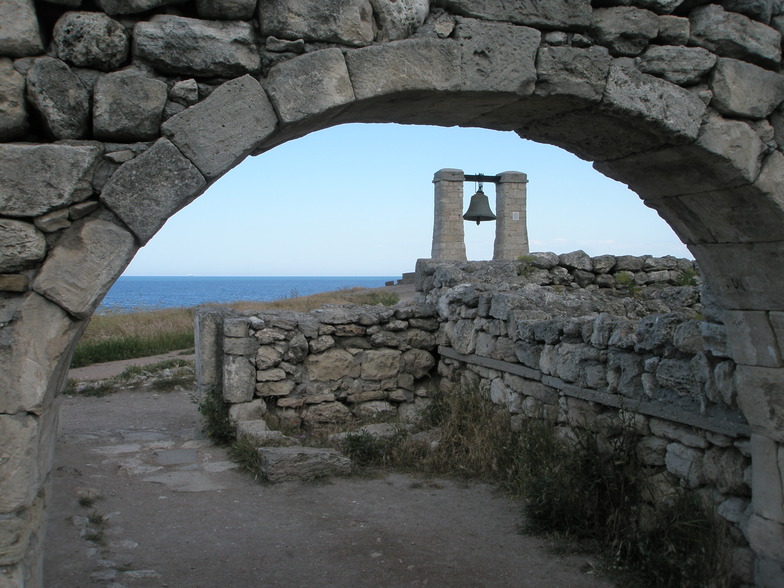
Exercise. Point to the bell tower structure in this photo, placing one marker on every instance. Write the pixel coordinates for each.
(511, 232)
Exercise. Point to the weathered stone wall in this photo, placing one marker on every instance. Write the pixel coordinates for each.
(550, 337)
(114, 115)
(331, 365)
(600, 359)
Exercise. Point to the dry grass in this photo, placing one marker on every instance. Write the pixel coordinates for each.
(113, 336)
(308, 303)
(145, 324)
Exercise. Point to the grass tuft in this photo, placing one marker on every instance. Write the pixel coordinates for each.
(214, 411)
(626, 281)
(244, 451)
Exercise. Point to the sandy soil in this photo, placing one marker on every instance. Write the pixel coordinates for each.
(178, 514)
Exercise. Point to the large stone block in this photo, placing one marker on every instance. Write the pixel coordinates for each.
(673, 30)
(730, 34)
(404, 66)
(309, 85)
(680, 65)
(285, 464)
(34, 179)
(208, 332)
(122, 7)
(381, 365)
(35, 350)
(19, 474)
(13, 111)
(572, 71)
(179, 45)
(21, 245)
(760, 10)
(751, 338)
(744, 214)
(730, 83)
(726, 154)
(86, 261)
(239, 379)
(16, 529)
(686, 463)
(418, 362)
(348, 22)
(766, 538)
(219, 132)
(60, 98)
(226, 9)
(637, 114)
(559, 14)
(766, 480)
(91, 39)
(671, 110)
(333, 364)
(19, 33)
(740, 273)
(497, 57)
(147, 190)
(398, 19)
(128, 107)
(761, 399)
(624, 30)
(571, 361)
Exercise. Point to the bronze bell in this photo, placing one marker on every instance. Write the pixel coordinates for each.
(479, 208)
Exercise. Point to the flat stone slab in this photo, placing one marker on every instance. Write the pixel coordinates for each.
(286, 464)
(176, 456)
(191, 481)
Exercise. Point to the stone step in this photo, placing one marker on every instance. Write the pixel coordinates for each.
(286, 464)
(259, 430)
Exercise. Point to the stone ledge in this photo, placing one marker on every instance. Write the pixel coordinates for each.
(654, 409)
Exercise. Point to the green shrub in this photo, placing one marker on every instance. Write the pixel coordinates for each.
(526, 265)
(363, 448)
(214, 411)
(626, 281)
(687, 278)
(572, 488)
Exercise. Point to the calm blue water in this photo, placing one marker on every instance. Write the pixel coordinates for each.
(147, 292)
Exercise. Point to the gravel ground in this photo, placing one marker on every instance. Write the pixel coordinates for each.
(176, 513)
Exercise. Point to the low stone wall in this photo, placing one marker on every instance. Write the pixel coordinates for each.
(576, 269)
(329, 365)
(562, 338)
(584, 352)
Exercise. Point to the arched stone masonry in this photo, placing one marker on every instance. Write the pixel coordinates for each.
(113, 119)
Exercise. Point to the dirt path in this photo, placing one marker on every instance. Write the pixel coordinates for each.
(178, 514)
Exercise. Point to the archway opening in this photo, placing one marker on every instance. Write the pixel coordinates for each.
(309, 202)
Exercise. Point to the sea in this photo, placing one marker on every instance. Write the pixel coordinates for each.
(134, 293)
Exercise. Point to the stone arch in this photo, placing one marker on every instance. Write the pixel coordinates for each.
(680, 103)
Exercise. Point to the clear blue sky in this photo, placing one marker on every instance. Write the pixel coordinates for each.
(358, 200)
